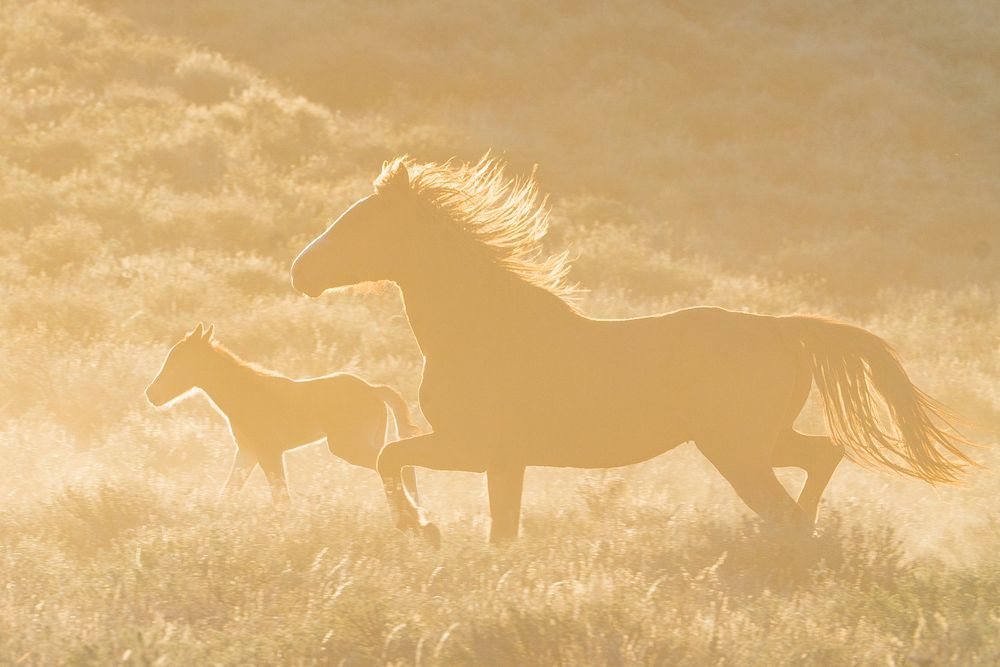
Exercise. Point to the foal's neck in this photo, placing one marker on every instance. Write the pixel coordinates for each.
(226, 379)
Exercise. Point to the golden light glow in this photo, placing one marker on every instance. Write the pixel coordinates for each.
(163, 164)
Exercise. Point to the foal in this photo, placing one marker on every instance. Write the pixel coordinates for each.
(269, 414)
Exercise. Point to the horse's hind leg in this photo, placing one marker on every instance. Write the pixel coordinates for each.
(817, 455)
(755, 483)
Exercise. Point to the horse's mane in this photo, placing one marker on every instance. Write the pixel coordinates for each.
(506, 215)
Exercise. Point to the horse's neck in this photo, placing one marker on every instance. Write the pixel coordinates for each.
(452, 310)
(226, 381)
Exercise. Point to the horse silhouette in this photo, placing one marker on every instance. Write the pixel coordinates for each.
(269, 414)
(515, 376)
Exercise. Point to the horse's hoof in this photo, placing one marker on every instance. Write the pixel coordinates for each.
(432, 534)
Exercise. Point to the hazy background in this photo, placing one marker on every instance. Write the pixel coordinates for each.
(162, 163)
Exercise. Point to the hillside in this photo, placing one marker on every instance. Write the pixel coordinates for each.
(161, 164)
(784, 137)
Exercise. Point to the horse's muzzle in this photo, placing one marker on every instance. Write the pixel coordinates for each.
(303, 285)
(154, 400)
(302, 281)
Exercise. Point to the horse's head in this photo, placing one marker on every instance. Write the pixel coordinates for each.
(179, 372)
(368, 242)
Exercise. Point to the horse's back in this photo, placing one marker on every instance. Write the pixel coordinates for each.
(657, 381)
(704, 360)
(567, 392)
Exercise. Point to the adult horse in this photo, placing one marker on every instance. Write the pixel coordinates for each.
(515, 376)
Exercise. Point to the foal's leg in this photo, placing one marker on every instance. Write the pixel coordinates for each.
(243, 465)
(408, 473)
(753, 480)
(433, 450)
(817, 455)
(273, 465)
(506, 484)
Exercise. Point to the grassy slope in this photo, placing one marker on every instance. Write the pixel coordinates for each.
(826, 140)
(148, 183)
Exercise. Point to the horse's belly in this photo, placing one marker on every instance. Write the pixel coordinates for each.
(604, 439)
(604, 453)
(563, 414)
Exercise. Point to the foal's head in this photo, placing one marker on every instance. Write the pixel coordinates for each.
(180, 369)
(370, 241)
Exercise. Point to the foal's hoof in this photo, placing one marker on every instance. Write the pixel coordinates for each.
(431, 534)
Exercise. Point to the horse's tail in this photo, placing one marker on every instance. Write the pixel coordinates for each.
(400, 411)
(852, 368)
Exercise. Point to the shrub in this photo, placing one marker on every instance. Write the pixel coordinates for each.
(68, 242)
(208, 78)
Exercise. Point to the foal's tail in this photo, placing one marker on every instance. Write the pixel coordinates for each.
(400, 411)
(852, 368)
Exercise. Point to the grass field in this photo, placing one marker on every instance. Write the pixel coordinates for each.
(162, 163)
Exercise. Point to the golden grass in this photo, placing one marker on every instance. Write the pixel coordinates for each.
(784, 158)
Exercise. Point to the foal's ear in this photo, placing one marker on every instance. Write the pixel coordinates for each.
(197, 331)
(395, 178)
(209, 332)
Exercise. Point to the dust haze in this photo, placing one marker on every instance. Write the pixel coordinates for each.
(162, 164)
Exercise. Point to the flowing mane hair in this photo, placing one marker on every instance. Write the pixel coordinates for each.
(507, 216)
(234, 359)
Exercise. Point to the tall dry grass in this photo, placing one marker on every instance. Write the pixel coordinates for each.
(162, 165)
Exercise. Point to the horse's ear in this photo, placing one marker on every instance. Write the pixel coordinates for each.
(197, 331)
(395, 178)
(209, 332)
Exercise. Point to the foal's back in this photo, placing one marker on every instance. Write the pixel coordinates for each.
(340, 407)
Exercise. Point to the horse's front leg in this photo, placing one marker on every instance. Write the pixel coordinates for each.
(239, 472)
(506, 484)
(435, 450)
